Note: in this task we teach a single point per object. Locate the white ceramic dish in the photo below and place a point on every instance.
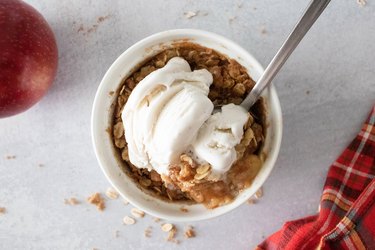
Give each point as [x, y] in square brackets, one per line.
[102, 113]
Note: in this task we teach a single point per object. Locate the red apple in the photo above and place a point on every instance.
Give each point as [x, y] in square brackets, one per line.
[28, 57]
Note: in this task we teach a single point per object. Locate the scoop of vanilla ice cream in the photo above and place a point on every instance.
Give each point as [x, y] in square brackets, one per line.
[169, 113]
[217, 138]
[164, 113]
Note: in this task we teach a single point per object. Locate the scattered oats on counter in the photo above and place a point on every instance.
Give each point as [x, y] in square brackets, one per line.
[10, 157]
[125, 202]
[156, 219]
[2, 210]
[189, 232]
[171, 230]
[259, 193]
[263, 30]
[128, 220]
[172, 234]
[362, 2]
[147, 232]
[232, 19]
[71, 201]
[251, 201]
[137, 213]
[111, 193]
[190, 14]
[167, 227]
[93, 28]
[97, 200]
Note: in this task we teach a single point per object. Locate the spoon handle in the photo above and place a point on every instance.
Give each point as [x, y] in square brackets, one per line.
[311, 14]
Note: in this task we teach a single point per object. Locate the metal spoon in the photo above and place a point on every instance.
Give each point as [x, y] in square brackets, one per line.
[311, 14]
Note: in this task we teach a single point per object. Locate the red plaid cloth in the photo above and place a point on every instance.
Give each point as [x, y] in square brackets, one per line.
[346, 218]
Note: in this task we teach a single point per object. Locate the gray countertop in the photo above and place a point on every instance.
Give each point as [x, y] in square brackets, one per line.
[326, 90]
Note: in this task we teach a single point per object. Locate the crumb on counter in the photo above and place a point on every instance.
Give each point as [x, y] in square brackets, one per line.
[190, 14]
[263, 30]
[259, 193]
[167, 227]
[232, 19]
[172, 235]
[111, 193]
[97, 200]
[147, 232]
[251, 201]
[362, 2]
[71, 201]
[156, 219]
[128, 220]
[103, 18]
[94, 27]
[189, 232]
[137, 213]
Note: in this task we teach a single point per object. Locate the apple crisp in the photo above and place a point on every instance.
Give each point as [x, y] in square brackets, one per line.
[188, 180]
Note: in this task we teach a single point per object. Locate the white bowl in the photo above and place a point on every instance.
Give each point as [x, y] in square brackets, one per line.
[102, 113]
